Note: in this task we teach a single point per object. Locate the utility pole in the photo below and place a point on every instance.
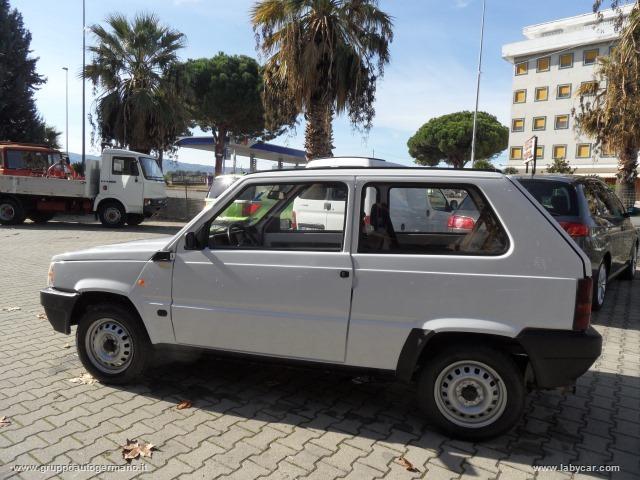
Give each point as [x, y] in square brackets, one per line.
[66, 101]
[83, 81]
[475, 113]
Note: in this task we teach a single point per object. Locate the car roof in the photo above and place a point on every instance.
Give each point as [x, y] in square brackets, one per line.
[379, 172]
[350, 162]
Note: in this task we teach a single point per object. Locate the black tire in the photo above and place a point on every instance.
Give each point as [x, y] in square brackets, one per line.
[506, 406]
[134, 219]
[11, 211]
[129, 339]
[41, 217]
[598, 301]
[630, 272]
[112, 214]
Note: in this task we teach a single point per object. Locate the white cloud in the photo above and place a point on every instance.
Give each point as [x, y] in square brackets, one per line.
[462, 3]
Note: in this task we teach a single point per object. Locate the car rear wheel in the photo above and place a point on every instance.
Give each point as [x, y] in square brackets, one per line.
[112, 344]
[472, 393]
[630, 271]
[600, 284]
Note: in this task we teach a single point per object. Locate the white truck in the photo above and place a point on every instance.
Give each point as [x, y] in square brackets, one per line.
[123, 186]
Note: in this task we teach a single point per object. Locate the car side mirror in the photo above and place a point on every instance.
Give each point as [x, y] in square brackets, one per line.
[190, 241]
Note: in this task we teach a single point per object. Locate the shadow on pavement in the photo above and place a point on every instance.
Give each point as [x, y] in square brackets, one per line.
[71, 226]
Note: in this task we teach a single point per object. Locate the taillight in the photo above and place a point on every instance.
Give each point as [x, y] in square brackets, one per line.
[584, 297]
[575, 229]
[294, 221]
[460, 222]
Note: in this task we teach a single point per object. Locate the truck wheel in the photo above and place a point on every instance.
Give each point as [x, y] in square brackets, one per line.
[112, 214]
[112, 344]
[11, 212]
[41, 217]
[600, 283]
[473, 393]
[134, 219]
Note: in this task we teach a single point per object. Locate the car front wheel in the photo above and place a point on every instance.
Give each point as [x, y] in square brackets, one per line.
[600, 286]
[112, 344]
[472, 393]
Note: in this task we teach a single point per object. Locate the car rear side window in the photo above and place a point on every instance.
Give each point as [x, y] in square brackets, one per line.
[419, 219]
[559, 198]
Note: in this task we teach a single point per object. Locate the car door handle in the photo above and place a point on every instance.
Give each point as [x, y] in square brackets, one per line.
[344, 274]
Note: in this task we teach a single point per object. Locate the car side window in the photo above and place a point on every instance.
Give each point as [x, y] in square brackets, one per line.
[612, 204]
[291, 216]
[438, 200]
[400, 219]
[124, 166]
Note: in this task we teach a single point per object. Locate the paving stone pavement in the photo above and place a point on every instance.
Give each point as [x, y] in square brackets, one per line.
[263, 421]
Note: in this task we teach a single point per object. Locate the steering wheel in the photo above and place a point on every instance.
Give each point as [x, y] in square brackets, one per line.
[233, 232]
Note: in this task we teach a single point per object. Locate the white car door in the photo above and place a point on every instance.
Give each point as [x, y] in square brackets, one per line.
[126, 183]
[279, 291]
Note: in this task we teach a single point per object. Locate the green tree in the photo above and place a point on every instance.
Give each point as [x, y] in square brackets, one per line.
[19, 119]
[610, 110]
[448, 139]
[510, 171]
[225, 97]
[52, 137]
[560, 165]
[139, 101]
[484, 164]
[323, 57]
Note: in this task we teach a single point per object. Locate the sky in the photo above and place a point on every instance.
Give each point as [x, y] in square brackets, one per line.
[434, 60]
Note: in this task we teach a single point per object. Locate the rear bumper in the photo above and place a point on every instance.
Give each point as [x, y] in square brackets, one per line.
[559, 357]
[154, 205]
[58, 306]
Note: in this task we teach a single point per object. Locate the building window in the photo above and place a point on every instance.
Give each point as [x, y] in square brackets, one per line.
[520, 96]
[589, 88]
[607, 150]
[542, 94]
[522, 68]
[566, 60]
[516, 153]
[583, 150]
[564, 91]
[589, 56]
[539, 152]
[539, 123]
[559, 151]
[562, 122]
[517, 125]
[543, 64]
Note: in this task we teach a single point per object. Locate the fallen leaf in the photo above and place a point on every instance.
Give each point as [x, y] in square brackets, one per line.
[134, 449]
[41, 316]
[66, 345]
[4, 422]
[184, 404]
[84, 379]
[11, 309]
[406, 464]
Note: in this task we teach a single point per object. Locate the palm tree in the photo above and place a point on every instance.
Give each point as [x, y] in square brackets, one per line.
[133, 72]
[610, 108]
[323, 57]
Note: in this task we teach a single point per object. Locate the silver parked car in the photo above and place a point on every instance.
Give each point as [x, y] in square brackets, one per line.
[361, 294]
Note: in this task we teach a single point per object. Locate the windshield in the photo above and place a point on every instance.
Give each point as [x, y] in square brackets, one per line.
[150, 169]
[220, 184]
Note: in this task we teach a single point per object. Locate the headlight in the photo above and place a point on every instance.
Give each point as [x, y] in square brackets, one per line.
[51, 275]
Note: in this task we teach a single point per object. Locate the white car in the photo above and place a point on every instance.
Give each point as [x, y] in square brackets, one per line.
[473, 317]
[218, 186]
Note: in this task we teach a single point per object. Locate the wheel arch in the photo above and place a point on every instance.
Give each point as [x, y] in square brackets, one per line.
[109, 200]
[89, 298]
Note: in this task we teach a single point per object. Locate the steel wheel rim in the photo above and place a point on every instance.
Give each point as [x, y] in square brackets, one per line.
[602, 284]
[7, 212]
[634, 261]
[470, 394]
[109, 346]
[112, 214]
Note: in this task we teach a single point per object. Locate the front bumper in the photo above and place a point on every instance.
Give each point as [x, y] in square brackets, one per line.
[559, 357]
[153, 206]
[58, 306]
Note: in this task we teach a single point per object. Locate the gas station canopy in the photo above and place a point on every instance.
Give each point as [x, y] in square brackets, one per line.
[251, 149]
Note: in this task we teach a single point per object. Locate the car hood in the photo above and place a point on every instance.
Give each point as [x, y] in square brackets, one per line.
[141, 250]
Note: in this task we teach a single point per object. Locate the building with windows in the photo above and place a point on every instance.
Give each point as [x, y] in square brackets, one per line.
[553, 61]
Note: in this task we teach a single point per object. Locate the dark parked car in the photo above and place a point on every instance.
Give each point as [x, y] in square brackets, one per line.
[596, 219]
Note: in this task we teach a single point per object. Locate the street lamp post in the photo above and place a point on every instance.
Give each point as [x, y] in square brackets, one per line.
[475, 113]
[83, 80]
[66, 102]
